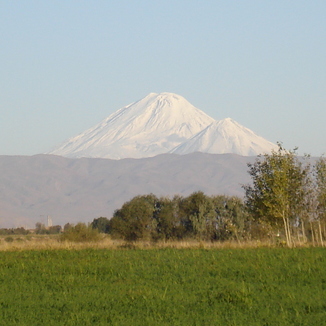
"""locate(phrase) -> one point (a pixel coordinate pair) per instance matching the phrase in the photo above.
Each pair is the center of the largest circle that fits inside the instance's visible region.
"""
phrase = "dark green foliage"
(80, 233)
(169, 225)
(102, 224)
(55, 229)
(40, 228)
(14, 231)
(134, 221)
(67, 226)
(275, 287)
(232, 218)
(197, 216)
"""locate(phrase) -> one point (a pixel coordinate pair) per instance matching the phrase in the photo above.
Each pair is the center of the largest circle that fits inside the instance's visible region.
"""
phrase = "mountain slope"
(154, 125)
(226, 136)
(158, 124)
(79, 190)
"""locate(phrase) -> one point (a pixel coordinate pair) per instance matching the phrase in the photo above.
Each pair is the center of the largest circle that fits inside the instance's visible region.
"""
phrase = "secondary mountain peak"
(162, 123)
(226, 136)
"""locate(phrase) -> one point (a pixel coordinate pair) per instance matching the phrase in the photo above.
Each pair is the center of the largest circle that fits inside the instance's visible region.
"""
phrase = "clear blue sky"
(66, 65)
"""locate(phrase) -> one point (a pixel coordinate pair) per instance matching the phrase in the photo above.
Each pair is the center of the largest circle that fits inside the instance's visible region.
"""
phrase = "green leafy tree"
(134, 221)
(55, 229)
(198, 215)
(317, 203)
(102, 224)
(169, 226)
(67, 226)
(40, 228)
(19, 230)
(278, 190)
(232, 218)
(320, 175)
(80, 233)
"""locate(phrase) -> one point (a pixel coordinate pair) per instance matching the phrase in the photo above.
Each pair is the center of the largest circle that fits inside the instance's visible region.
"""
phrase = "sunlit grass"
(52, 242)
(163, 286)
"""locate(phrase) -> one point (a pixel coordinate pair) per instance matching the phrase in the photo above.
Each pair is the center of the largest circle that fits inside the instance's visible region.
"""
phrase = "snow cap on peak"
(226, 136)
(165, 96)
(161, 100)
(151, 126)
(161, 123)
(226, 121)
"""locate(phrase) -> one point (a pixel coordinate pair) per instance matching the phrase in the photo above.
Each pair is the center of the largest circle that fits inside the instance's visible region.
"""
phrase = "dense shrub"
(20, 231)
(55, 229)
(102, 224)
(80, 233)
(134, 221)
(197, 216)
(67, 226)
(169, 225)
(40, 228)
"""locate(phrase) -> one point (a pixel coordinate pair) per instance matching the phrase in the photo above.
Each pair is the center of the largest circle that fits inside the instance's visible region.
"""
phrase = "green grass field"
(263, 286)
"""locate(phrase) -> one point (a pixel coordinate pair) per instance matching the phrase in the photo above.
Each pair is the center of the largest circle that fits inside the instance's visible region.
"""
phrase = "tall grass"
(54, 242)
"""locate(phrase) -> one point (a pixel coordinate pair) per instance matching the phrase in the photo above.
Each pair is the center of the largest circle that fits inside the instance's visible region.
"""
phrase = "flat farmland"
(254, 286)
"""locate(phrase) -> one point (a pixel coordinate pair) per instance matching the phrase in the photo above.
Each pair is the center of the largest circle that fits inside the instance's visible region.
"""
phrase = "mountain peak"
(226, 136)
(166, 99)
(162, 123)
(151, 126)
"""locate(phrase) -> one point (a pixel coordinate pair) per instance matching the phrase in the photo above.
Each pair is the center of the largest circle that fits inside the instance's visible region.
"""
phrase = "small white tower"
(49, 221)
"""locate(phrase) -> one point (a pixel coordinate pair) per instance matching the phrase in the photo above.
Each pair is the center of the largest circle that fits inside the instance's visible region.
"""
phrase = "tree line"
(288, 193)
(197, 216)
(286, 199)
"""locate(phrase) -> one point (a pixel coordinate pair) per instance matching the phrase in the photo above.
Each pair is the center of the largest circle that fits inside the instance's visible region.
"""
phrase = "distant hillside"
(73, 190)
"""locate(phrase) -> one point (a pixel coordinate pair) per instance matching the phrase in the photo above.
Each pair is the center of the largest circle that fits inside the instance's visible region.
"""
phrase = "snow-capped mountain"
(158, 124)
(154, 125)
(226, 136)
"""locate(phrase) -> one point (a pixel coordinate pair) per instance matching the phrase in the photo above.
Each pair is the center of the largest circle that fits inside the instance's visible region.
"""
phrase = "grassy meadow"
(163, 286)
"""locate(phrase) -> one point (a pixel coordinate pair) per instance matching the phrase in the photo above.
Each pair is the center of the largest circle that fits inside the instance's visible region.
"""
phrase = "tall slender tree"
(320, 175)
(278, 189)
